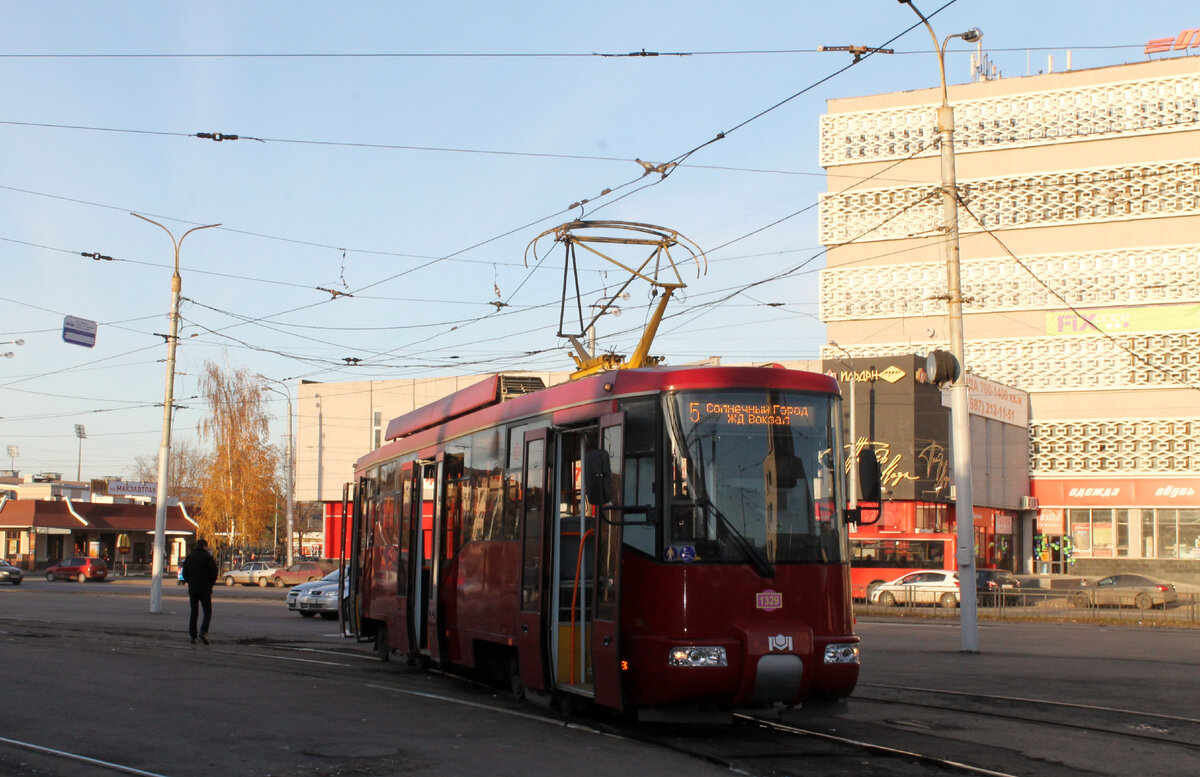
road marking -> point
(81, 758)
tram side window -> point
(481, 512)
(641, 436)
(370, 488)
(404, 525)
(457, 491)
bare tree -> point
(184, 469)
(238, 482)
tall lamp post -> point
(853, 455)
(291, 443)
(964, 507)
(164, 451)
(81, 433)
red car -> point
(300, 572)
(78, 568)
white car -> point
(294, 594)
(257, 573)
(921, 586)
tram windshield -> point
(753, 478)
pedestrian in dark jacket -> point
(200, 574)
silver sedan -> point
(252, 573)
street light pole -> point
(164, 451)
(82, 435)
(960, 436)
(291, 444)
(854, 483)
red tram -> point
(656, 540)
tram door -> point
(604, 485)
(407, 556)
(584, 614)
(532, 618)
(424, 612)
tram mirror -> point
(597, 475)
(870, 480)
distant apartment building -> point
(1080, 240)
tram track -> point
(1130, 724)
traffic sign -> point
(79, 331)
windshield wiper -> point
(761, 565)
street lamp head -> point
(971, 35)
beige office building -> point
(1080, 239)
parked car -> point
(921, 586)
(78, 568)
(300, 572)
(1125, 591)
(252, 573)
(996, 586)
(10, 574)
(322, 599)
(293, 597)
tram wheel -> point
(1143, 601)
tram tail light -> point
(694, 655)
(841, 653)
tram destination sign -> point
(750, 414)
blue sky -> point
(413, 180)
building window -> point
(377, 428)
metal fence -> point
(1057, 605)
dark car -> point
(300, 572)
(10, 574)
(996, 586)
(1125, 590)
(78, 568)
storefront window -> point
(1102, 534)
(1121, 518)
(1081, 531)
(1148, 534)
(1189, 533)
(1168, 544)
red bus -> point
(654, 540)
(882, 556)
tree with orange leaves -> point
(239, 487)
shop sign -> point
(123, 488)
(989, 399)
(1180, 42)
(1161, 318)
(1050, 521)
(1118, 492)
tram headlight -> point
(841, 653)
(694, 655)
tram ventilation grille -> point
(516, 385)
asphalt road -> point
(89, 671)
